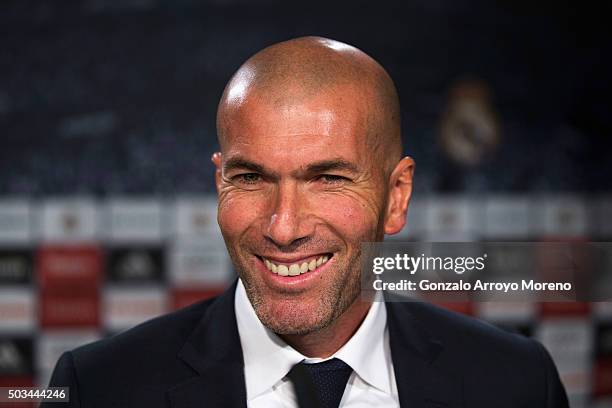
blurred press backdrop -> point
(107, 110)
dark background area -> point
(107, 112)
(119, 97)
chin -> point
(294, 318)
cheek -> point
(351, 218)
(235, 214)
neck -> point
(325, 342)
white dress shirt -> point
(268, 359)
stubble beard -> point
(288, 317)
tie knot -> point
(334, 364)
(320, 384)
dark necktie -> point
(320, 385)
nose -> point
(288, 220)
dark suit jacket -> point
(193, 358)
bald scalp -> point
(289, 72)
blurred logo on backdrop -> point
(15, 266)
(135, 264)
(70, 222)
(469, 127)
(16, 356)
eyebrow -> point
(331, 165)
(322, 166)
(234, 163)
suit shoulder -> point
(135, 367)
(456, 330)
(158, 338)
(488, 360)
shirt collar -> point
(367, 352)
(268, 359)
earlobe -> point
(400, 190)
(216, 159)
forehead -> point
(291, 130)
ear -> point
(216, 159)
(400, 189)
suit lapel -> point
(213, 350)
(421, 383)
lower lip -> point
(293, 283)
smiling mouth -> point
(296, 268)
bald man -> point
(309, 167)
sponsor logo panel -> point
(69, 308)
(124, 307)
(17, 309)
(135, 264)
(76, 265)
(196, 217)
(16, 356)
(135, 221)
(15, 266)
(199, 263)
(453, 219)
(15, 222)
(70, 220)
(506, 218)
(559, 216)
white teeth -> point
(270, 266)
(296, 269)
(283, 270)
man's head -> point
(309, 169)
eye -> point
(247, 178)
(332, 179)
